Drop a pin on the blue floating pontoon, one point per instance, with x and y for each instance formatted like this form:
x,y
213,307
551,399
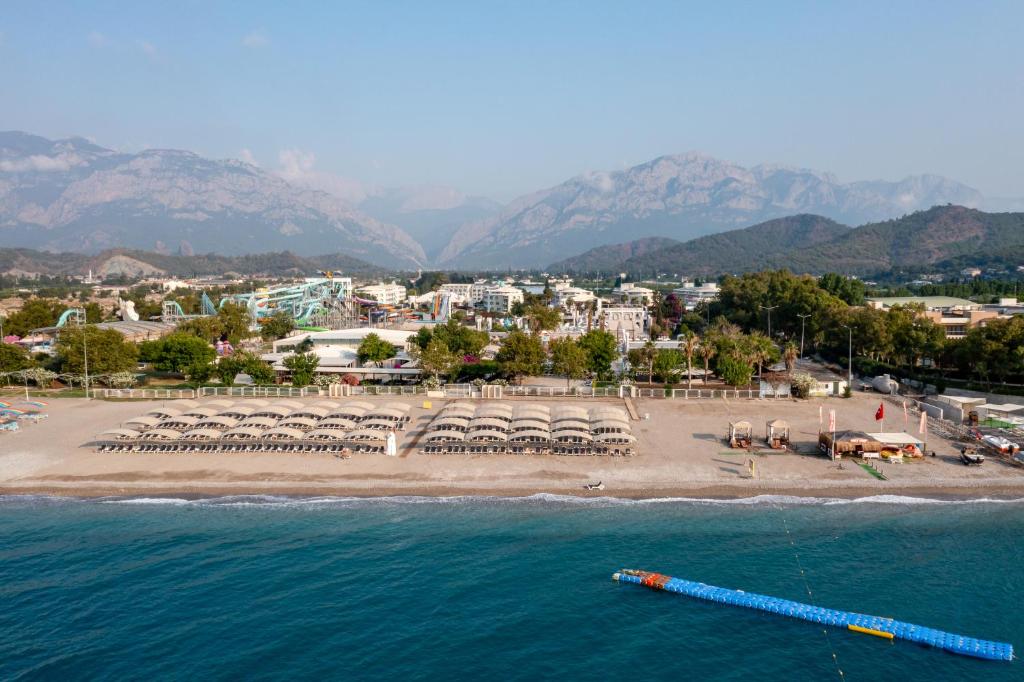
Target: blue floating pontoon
x,y
873,625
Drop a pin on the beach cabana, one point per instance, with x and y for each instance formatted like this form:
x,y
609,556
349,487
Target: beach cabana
x,y
458,409
301,423
609,426
777,434
325,434
532,436
312,412
186,403
530,424
282,433
389,413
328,405
119,435
218,422
606,413
531,409
615,438
243,433
369,435
202,411
202,434
854,443
450,423
379,423
483,423
219,403
740,434
576,436
163,412
259,422
144,422
495,411
569,412
338,424
237,411
161,435
291,404
487,436
178,423
272,411
352,412
444,437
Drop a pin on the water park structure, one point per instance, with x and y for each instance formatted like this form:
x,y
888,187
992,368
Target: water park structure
x,y
317,302
885,628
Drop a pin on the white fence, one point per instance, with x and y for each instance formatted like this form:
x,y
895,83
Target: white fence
x,y
450,391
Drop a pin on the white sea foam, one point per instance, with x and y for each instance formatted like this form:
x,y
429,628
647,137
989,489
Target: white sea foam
x,y
331,501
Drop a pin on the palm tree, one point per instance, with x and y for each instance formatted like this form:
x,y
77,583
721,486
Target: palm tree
x,y
760,350
689,345
707,351
649,351
789,355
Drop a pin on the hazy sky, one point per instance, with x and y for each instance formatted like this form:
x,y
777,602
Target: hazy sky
x,y
504,98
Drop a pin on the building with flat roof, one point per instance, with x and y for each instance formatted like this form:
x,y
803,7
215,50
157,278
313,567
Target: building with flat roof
x,y
628,292
385,294
337,351
956,316
627,322
691,293
501,299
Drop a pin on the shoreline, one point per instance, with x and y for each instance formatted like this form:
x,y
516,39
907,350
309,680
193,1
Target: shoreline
x,y
703,493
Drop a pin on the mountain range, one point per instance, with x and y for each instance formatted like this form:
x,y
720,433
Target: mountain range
x,y
74,195
943,236
136,264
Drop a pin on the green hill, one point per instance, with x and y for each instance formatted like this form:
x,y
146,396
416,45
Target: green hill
x,y
941,237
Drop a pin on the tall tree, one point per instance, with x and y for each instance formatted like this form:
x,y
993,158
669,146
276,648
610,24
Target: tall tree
x,y
107,350
374,349
568,359
689,343
521,355
302,367
601,349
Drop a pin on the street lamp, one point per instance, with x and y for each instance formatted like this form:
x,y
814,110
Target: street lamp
x,y
769,308
803,322
849,365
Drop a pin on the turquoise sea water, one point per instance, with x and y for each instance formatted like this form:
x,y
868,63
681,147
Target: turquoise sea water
x,y
269,588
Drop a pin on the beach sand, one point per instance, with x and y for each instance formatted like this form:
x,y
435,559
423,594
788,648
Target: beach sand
x,y
681,453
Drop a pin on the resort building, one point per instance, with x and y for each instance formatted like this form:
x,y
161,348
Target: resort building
x,y
385,294
338,352
460,291
628,292
628,323
955,315
501,299
691,293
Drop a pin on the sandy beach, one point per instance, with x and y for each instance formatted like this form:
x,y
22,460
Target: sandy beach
x,y
681,453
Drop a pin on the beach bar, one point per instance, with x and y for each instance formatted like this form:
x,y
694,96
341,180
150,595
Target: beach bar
x,y
886,628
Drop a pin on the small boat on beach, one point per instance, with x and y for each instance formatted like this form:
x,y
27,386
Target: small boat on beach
x,y
971,457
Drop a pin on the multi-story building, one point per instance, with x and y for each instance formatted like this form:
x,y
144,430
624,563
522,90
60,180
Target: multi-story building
x,y
479,289
627,322
955,315
460,291
500,299
691,294
628,292
385,294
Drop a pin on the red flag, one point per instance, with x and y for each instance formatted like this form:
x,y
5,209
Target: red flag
x,y
906,416
922,428
832,420
880,412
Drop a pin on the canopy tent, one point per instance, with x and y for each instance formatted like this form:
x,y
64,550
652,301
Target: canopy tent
x,y
529,436
325,434
243,433
237,411
461,423
487,435
218,422
203,411
572,437
338,423
275,411
366,435
311,411
896,438
202,434
259,422
283,433
144,422
163,412
482,423
443,436
301,423
162,434
119,434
